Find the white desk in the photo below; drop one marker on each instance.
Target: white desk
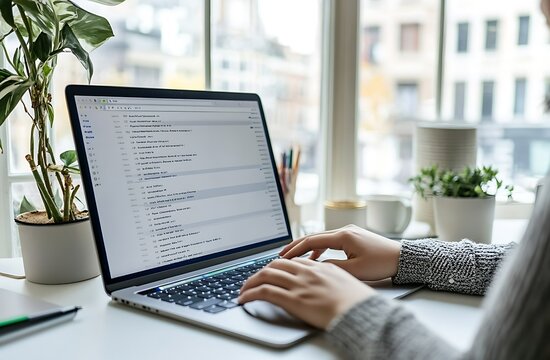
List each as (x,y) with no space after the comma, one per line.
(104,330)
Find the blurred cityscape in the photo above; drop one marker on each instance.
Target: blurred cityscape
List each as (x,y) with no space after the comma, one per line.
(162,45)
(496,76)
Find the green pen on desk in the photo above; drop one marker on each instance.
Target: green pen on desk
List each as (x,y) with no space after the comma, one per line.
(24,321)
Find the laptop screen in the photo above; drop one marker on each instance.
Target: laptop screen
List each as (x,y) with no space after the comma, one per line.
(178,179)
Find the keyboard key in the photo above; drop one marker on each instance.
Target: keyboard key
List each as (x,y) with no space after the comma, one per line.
(227,304)
(154,295)
(205,303)
(188,301)
(225,296)
(209,280)
(232,287)
(214,309)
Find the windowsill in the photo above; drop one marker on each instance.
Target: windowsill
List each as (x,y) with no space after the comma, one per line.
(513,210)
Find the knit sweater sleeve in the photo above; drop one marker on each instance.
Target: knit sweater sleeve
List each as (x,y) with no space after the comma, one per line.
(382,329)
(516,320)
(464,266)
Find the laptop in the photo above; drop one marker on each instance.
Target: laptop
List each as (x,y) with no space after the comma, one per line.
(185,202)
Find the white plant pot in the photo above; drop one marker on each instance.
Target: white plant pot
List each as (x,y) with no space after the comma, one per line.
(464,218)
(58,253)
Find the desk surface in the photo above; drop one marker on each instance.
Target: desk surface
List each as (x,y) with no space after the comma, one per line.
(104,330)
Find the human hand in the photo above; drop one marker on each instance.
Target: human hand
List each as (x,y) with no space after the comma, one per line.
(369,256)
(314,292)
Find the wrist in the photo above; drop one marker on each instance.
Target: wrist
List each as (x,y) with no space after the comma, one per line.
(395,254)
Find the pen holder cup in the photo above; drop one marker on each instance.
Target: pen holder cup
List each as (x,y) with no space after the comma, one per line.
(294,214)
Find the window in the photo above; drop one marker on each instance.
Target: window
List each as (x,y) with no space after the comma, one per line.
(395,90)
(462,37)
(278,54)
(410,38)
(506,88)
(460,99)
(407,99)
(162,42)
(519,98)
(491,34)
(487,99)
(256,45)
(371,44)
(523,30)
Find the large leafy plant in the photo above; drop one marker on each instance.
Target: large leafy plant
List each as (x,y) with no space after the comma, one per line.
(468,183)
(43,29)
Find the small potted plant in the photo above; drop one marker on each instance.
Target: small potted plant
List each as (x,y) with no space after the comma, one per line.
(464,201)
(56,243)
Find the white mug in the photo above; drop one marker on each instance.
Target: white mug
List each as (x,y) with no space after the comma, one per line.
(388,214)
(342,213)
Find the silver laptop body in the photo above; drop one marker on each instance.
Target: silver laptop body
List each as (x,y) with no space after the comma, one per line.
(179,184)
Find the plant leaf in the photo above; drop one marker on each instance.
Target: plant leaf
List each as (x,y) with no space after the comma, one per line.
(46,70)
(26,206)
(71,42)
(108,2)
(7,12)
(91,30)
(51,113)
(42,46)
(68,157)
(41,13)
(16,60)
(12,89)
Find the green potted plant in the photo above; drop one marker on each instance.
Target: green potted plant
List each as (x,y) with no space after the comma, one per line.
(56,242)
(464,201)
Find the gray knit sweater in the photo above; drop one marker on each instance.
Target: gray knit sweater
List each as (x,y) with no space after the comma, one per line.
(516,324)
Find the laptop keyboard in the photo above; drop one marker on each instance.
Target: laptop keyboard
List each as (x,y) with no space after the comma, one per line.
(213,292)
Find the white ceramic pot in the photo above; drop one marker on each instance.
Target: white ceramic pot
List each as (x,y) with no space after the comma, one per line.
(58,253)
(464,218)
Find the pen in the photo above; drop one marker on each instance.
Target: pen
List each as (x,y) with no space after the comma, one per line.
(290,159)
(19,322)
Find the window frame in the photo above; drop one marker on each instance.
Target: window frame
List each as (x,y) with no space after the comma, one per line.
(462,37)
(408,31)
(458,113)
(487,85)
(523,36)
(519,102)
(493,45)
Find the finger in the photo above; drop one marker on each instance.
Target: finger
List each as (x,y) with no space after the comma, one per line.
(271,276)
(306,262)
(287,265)
(267,292)
(315,242)
(297,241)
(315,254)
(290,246)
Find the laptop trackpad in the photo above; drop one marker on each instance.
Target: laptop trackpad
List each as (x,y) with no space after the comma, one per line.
(272,313)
